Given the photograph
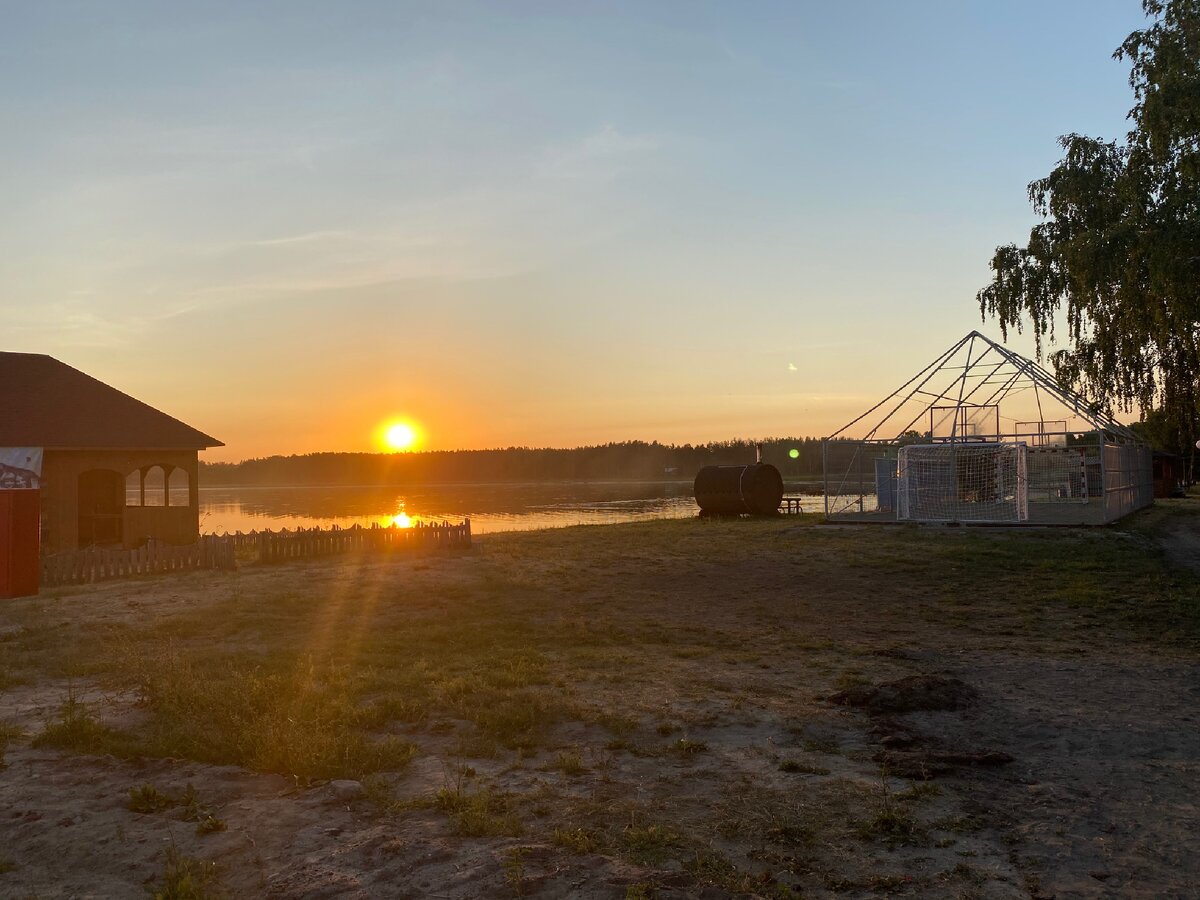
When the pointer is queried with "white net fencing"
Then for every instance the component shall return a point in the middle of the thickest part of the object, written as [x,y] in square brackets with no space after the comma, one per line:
[1128,479]
[1062,474]
[1069,479]
[984,482]
[964,422]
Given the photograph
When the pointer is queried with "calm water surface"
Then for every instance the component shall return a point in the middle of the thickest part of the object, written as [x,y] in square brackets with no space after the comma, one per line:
[491,507]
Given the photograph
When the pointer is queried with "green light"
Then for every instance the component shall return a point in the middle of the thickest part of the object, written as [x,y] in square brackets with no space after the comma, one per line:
[794,453]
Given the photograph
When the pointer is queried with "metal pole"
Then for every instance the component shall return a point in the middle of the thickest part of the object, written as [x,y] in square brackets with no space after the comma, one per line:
[825,473]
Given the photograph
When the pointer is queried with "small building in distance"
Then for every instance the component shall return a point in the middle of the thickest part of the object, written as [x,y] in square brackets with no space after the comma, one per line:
[1168,474]
[114,471]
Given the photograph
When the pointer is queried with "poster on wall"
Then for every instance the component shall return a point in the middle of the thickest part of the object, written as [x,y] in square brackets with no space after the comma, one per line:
[20,468]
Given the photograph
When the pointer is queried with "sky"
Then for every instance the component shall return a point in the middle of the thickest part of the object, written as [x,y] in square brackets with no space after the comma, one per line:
[525,223]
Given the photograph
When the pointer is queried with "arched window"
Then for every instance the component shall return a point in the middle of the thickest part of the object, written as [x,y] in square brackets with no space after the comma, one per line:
[155,481]
[133,488]
[178,493]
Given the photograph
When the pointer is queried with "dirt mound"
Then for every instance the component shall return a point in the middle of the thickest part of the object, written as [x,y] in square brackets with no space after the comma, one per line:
[910,694]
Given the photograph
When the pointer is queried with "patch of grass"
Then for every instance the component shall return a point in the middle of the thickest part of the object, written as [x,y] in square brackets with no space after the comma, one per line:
[300,724]
[959,824]
[851,679]
[514,869]
[6,865]
[787,818]
[149,799]
[8,732]
[920,790]
[711,867]
[378,789]
[484,813]
[791,833]
[570,763]
[75,728]
[516,718]
[648,845]
[209,824]
[476,746]
[871,884]
[797,767]
[687,748]
[9,677]
[195,811]
[892,822]
[620,724]
[821,745]
[577,840]
[969,874]
[187,878]
[889,883]
[640,890]
[382,710]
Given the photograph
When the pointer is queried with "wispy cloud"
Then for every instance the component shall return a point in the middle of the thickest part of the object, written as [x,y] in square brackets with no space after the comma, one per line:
[601,154]
[307,238]
[70,323]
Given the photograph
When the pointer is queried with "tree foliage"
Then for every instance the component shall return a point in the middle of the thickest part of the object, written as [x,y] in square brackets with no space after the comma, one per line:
[1118,250]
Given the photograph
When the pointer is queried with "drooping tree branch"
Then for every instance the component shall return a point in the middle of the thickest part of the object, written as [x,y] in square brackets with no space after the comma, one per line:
[1117,253]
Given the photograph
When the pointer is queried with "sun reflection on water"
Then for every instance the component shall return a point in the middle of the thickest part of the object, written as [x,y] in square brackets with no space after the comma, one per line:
[492,508]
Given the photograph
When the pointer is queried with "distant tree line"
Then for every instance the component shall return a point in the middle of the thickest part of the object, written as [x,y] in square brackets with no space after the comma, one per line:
[628,460]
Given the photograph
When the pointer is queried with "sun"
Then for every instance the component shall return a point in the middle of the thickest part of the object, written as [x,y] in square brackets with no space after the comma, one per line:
[399,436]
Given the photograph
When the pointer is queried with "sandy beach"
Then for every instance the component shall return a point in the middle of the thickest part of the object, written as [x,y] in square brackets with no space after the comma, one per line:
[666,709]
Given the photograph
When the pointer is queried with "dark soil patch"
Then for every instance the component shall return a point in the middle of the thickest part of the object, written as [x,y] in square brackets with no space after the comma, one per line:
[926,764]
[911,694]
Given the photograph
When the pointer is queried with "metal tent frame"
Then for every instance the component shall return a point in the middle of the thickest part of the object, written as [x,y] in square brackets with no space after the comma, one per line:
[960,398]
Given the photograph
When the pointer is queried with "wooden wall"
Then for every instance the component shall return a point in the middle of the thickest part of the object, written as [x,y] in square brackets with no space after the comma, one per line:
[60,503]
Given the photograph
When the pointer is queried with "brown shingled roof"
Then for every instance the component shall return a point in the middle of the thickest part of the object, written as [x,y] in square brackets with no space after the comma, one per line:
[46,403]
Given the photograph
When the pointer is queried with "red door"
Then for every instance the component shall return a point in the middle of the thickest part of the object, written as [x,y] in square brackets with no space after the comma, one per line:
[20,525]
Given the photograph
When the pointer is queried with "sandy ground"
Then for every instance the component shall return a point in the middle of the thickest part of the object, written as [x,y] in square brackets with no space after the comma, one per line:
[1100,798]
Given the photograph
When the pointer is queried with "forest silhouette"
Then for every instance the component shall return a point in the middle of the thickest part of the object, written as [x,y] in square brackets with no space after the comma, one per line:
[627,460]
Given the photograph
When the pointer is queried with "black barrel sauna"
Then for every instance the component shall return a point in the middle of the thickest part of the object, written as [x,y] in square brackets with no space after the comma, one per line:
[734,490]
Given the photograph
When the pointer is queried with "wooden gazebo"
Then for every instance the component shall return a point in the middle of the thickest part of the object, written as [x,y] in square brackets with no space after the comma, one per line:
[114,471]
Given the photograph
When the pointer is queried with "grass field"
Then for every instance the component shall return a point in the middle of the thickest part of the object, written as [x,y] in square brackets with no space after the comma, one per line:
[620,711]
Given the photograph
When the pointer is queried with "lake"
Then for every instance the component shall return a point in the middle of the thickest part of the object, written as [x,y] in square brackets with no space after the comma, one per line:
[491,507]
